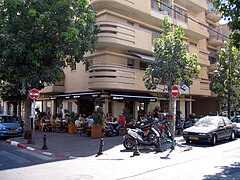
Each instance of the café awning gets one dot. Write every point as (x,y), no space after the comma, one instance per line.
(143,57)
(141,97)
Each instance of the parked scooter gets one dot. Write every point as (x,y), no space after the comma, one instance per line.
(146,136)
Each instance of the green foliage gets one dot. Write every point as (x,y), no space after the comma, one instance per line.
(39,38)
(172,64)
(226,78)
(230,10)
(128,115)
(98,117)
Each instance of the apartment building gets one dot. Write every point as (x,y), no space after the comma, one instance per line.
(112,77)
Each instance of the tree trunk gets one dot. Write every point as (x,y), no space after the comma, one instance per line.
(27,125)
(172,115)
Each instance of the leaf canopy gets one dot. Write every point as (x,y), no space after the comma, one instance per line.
(39,38)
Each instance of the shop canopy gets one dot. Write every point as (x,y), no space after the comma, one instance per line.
(76,95)
(141,97)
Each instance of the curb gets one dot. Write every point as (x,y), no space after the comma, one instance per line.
(23,146)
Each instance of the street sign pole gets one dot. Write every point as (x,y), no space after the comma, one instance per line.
(33,119)
(34,94)
(175,93)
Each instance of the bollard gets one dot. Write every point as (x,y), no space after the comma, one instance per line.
(159,145)
(100,147)
(136,150)
(29,134)
(44,147)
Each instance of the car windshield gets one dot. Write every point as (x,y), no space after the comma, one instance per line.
(7,119)
(236,119)
(207,121)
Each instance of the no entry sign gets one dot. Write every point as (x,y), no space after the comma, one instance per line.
(34,94)
(175,91)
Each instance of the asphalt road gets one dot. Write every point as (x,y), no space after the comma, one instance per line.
(201,162)
(13,157)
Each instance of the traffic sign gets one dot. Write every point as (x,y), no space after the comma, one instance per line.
(175,91)
(34,94)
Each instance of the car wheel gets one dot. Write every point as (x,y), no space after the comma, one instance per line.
(232,137)
(214,140)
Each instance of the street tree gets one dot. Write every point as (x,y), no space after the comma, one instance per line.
(38,39)
(172,64)
(230,10)
(226,78)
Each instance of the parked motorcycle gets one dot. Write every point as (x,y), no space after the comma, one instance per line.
(180,126)
(163,128)
(146,136)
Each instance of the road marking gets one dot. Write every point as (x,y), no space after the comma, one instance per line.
(32,153)
(13,157)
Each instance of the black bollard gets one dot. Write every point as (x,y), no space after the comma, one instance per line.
(159,145)
(44,147)
(136,150)
(100,147)
(29,134)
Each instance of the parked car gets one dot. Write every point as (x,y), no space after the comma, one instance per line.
(9,126)
(236,121)
(210,129)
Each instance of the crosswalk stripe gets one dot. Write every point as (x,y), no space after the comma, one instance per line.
(32,153)
(13,157)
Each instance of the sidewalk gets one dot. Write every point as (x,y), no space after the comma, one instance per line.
(64,145)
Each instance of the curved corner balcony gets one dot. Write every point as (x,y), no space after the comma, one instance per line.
(114,76)
(213,15)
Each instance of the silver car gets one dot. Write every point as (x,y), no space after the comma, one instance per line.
(9,126)
(210,129)
(236,120)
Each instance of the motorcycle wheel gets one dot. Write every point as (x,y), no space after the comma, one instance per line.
(128,143)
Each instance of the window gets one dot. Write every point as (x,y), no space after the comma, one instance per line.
(130,23)
(70,107)
(130,63)
(73,66)
(192,43)
(88,64)
(180,14)
(143,65)
(221,123)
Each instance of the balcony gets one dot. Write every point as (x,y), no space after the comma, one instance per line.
(213,15)
(202,55)
(57,88)
(115,76)
(197,6)
(197,29)
(120,35)
(215,39)
(122,6)
(200,87)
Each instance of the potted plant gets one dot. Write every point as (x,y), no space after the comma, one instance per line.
(98,124)
(72,129)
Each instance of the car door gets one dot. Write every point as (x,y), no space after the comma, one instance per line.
(221,131)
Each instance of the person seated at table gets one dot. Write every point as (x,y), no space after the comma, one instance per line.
(80,121)
(90,120)
(121,122)
(65,121)
(109,118)
(43,123)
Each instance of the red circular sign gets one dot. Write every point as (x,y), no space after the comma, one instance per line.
(175,91)
(34,94)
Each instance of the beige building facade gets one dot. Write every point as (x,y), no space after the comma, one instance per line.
(112,77)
